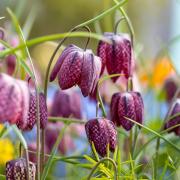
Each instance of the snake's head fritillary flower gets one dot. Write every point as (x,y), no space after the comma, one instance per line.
(127,104)
(117,57)
(65,104)
(18,105)
(76,66)
(174,120)
(170,87)
(12,99)
(32,113)
(101,132)
(17,169)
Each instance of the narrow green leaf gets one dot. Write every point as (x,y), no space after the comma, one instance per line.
(115,153)
(2,176)
(20,136)
(94,151)
(157,134)
(3,131)
(119,161)
(88,158)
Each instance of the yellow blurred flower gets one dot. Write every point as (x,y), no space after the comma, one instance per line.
(157,74)
(6,151)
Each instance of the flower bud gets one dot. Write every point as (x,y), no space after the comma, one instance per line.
(127,104)
(101,132)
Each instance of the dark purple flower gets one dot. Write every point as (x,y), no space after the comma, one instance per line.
(77,67)
(17,169)
(176,120)
(101,132)
(66,104)
(118,56)
(127,104)
(31,118)
(170,87)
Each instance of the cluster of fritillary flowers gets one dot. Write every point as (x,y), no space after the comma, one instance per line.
(22,106)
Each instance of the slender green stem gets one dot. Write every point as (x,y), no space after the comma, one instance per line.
(136,133)
(67,120)
(98,95)
(128,21)
(131,142)
(101,161)
(101,102)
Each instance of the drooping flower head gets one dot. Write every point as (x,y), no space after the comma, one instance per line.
(101,132)
(12,98)
(17,169)
(118,56)
(18,105)
(174,120)
(66,104)
(76,66)
(127,104)
(32,113)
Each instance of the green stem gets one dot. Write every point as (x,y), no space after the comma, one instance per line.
(128,21)
(67,120)
(101,102)
(101,161)
(136,133)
